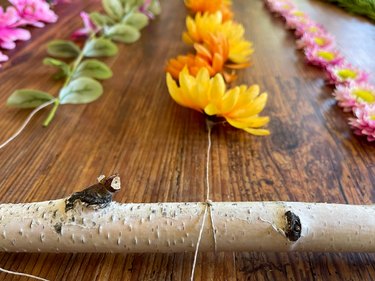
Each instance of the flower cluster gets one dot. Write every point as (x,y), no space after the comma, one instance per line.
(197,81)
(353,91)
(219,44)
(20,14)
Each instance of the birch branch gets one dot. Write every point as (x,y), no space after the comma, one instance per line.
(89,221)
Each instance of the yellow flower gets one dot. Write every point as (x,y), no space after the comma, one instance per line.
(240,106)
(202,26)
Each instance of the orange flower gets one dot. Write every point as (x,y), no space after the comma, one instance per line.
(203,25)
(211,6)
(213,55)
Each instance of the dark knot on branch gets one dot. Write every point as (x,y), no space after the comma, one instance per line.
(98,195)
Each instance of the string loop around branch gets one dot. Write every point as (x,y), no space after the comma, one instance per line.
(208,203)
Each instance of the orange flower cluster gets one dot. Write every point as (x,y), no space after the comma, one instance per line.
(197,81)
(218,41)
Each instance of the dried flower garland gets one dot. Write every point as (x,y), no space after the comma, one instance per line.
(22,13)
(220,46)
(121,22)
(352,89)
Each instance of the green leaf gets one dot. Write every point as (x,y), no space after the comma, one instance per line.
(113,8)
(136,19)
(64,68)
(100,47)
(123,33)
(155,8)
(100,19)
(81,90)
(26,98)
(53,62)
(63,49)
(93,68)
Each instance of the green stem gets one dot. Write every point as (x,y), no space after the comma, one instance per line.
(72,71)
(51,113)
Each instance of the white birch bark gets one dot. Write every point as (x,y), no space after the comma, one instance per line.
(174,227)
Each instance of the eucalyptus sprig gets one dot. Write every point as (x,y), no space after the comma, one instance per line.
(79,67)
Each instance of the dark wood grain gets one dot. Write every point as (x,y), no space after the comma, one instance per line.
(159,147)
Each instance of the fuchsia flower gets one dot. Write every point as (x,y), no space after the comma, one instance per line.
(88,27)
(344,73)
(315,40)
(3,57)
(364,122)
(34,12)
(8,32)
(323,57)
(355,96)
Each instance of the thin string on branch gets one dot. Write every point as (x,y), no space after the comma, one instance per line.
(208,203)
(28,119)
(22,274)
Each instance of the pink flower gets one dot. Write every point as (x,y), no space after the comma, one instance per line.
(3,57)
(345,74)
(280,7)
(8,33)
(317,40)
(295,20)
(88,27)
(323,57)
(34,12)
(355,96)
(364,122)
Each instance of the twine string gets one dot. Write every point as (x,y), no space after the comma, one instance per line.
(24,124)
(22,274)
(208,204)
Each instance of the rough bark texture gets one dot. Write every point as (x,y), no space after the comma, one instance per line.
(159,147)
(174,227)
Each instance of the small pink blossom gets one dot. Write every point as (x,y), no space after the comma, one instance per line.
(88,27)
(323,57)
(318,40)
(3,57)
(355,96)
(281,7)
(345,74)
(8,33)
(310,27)
(364,122)
(34,12)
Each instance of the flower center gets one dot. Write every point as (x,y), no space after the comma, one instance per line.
(286,7)
(365,95)
(328,56)
(347,73)
(320,41)
(298,14)
(313,29)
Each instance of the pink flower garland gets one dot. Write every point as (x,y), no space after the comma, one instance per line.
(352,89)
(22,13)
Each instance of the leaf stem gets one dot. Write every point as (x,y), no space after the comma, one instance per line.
(51,113)
(69,77)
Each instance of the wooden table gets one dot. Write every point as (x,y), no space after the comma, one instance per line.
(159,147)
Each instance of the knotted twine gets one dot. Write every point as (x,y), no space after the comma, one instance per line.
(208,204)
